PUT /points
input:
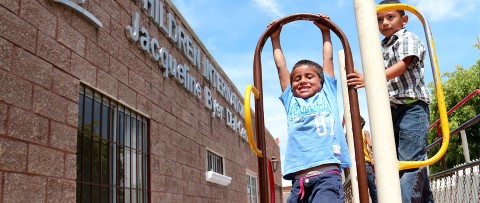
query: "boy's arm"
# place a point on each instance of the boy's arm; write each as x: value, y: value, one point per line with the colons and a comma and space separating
x: 369, y: 141
x: 327, y: 48
x: 367, y: 138
x: 356, y: 79
x: 399, y: 68
x: 279, y: 58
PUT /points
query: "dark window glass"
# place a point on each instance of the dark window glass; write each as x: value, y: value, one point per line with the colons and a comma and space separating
x: 88, y: 108
x: 105, y: 162
x: 86, y: 193
x: 112, y: 151
x: 87, y: 159
x: 96, y: 115
x: 96, y: 161
x: 120, y: 195
x: 105, y: 195
x: 105, y: 120
x: 80, y: 107
x: 128, y: 131
x: 95, y: 193
x: 79, y: 192
x: 121, y: 127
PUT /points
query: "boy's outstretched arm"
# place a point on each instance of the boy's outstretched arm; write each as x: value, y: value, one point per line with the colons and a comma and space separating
x: 279, y: 58
x: 327, y: 47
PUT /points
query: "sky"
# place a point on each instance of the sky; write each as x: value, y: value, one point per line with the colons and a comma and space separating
x: 230, y: 30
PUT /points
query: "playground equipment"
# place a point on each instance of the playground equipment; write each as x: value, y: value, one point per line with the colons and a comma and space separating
x: 402, y: 165
x: 259, y: 149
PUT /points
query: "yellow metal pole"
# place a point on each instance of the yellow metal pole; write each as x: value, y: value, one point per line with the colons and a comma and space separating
x: 248, y: 118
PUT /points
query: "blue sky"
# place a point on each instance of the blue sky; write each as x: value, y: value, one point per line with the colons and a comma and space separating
x: 230, y: 30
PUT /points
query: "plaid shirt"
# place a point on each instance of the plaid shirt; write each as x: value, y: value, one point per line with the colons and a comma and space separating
x: 409, y: 85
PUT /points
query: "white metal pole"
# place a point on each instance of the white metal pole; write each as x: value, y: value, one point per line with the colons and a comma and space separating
x: 348, y: 126
x: 466, y: 151
x: 386, y: 164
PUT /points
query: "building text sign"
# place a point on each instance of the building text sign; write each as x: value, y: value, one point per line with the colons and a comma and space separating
x: 170, y: 66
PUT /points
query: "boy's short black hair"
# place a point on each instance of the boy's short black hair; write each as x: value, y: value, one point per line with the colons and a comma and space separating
x: 402, y: 12
x: 362, y: 121
x: 318, y: 68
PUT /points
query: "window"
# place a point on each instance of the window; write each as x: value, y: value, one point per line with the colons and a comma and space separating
x: 214, y: 162
x: 216, y: 170
x: 112, y: 148
x: 252, y: 188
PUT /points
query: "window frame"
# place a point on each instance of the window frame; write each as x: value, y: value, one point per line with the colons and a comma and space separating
x: 251, y: 175
x: 103, y: 120
x: 212, y: 175
x: 217, y: 156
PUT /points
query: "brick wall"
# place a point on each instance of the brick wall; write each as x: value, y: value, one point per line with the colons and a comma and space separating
x: 47, y: 51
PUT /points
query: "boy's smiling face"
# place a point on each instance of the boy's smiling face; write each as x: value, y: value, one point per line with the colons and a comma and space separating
x: 390, y: 22
x: 305, y: 81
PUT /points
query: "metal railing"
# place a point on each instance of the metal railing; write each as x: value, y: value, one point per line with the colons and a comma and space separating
x: 459, y: 184
x: 347, y: 189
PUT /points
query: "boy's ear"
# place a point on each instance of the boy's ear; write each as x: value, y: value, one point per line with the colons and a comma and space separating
x: 404, y: 20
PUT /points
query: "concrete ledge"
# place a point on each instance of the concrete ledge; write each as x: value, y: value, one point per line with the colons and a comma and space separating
x: 218, y: 178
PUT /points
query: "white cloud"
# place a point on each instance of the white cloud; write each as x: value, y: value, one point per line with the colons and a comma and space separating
x: 269, y: 6
x: 446, y: 9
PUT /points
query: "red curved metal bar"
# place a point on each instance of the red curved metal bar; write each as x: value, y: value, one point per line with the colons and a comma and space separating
x: 437, y: 122
x: 272, y: 181
x: 459, y: 104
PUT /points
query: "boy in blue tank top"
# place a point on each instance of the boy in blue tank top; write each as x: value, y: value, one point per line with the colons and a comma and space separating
x: 316, y: 149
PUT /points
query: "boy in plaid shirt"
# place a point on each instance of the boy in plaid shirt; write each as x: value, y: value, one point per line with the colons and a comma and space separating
x: 403, y: 54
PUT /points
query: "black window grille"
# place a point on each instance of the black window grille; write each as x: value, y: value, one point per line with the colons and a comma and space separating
x: 112, y: 151
x: 214, y: 162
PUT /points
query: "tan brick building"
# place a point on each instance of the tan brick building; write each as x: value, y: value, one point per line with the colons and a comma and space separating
x: 117, y: 101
